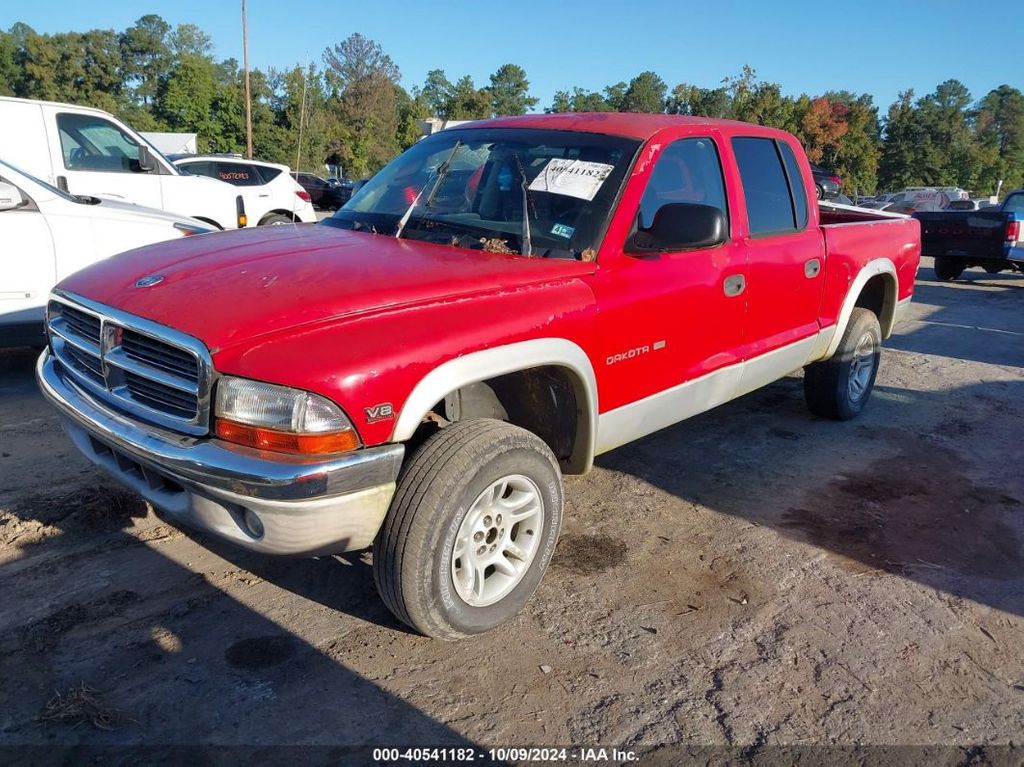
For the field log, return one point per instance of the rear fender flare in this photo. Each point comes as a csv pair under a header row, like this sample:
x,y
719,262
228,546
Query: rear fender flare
x,y
868,271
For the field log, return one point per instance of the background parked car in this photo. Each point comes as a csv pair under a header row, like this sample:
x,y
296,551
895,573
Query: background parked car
x,y
50,233
322,193
271,195
826,182
87,151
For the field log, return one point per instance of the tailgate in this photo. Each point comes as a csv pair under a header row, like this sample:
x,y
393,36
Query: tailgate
x,y
975,234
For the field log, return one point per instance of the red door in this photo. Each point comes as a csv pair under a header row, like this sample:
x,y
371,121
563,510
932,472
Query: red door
x,y
669,317
785,256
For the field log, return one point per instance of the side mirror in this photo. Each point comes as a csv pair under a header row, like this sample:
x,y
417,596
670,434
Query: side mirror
x,y
681,226
10,197
146,162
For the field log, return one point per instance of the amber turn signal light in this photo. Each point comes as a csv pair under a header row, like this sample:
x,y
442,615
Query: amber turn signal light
x,y
286,442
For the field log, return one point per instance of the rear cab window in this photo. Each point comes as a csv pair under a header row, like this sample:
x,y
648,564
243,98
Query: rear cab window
x,y
772,186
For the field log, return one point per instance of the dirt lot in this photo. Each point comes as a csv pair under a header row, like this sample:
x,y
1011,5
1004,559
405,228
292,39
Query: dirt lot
x,y
751,577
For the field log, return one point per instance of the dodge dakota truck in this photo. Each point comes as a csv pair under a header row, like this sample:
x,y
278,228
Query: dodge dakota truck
x,y
496,307
991,238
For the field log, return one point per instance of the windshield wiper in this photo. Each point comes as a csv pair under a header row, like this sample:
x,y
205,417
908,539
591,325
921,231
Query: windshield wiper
x,y
439,174
526,246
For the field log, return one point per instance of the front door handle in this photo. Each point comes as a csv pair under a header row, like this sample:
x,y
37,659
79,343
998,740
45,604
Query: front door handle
x,y
734,285
812,268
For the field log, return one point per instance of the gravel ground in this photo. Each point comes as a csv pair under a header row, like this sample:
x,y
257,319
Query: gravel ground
x,y
751,578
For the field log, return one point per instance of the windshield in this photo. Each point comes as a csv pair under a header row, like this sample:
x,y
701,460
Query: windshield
x,y
466,188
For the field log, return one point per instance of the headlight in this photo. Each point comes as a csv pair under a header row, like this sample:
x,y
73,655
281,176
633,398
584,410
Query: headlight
x,y
187,230
280,418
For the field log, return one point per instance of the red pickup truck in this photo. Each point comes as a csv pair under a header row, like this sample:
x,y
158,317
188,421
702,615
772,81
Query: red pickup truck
x,y
500,304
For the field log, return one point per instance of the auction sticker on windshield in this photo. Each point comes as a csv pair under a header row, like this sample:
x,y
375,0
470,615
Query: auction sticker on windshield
x,y
573,178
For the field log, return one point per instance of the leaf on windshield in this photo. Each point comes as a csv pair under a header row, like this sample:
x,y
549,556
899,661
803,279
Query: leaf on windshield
x,y
496,245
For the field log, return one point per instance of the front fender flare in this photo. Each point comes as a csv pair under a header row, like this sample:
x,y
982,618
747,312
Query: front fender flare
x,y
509,358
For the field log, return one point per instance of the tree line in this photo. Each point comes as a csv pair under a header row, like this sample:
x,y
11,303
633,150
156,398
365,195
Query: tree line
x,y
355,112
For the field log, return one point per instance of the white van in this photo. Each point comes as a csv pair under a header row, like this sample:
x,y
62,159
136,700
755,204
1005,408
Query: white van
x,y
929,198
47,234
88,151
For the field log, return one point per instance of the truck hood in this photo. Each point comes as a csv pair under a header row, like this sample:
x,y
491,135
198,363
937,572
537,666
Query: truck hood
x,y
227,288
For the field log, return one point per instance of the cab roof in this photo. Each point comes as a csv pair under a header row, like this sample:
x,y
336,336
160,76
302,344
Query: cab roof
x,y
628,124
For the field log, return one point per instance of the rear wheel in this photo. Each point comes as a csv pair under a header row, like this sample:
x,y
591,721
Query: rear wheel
x,y
947,269
275,219
839,387
471,529
820,192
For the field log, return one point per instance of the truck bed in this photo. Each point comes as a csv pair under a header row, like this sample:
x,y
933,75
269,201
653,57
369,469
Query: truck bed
x,y
853,238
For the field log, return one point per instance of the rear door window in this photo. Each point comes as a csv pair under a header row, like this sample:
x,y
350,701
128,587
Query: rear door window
x,y
770,208
237,173
796,184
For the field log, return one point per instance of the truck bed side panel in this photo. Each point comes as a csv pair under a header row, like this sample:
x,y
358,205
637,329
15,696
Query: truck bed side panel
x,y
850,247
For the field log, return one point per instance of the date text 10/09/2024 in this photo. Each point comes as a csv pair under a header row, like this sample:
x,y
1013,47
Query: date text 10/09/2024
x,y
513,754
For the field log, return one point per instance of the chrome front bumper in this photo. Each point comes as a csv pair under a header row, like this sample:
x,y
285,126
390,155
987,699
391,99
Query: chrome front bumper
x,y
271,504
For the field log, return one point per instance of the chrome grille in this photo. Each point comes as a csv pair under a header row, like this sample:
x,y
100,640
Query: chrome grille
x,y
86,325
162,355
143,368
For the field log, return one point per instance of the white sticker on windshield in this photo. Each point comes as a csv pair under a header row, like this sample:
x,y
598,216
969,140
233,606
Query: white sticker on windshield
x,y
573,178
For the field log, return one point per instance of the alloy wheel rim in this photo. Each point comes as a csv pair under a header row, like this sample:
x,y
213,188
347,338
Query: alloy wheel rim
x,y
497,541
862,365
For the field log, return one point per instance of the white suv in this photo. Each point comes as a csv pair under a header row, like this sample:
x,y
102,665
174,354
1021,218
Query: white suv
x,y
271,195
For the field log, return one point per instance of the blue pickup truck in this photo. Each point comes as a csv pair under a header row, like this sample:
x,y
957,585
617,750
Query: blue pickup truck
x,y
991,238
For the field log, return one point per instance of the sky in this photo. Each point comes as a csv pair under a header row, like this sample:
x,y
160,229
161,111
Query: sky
x,y
879,48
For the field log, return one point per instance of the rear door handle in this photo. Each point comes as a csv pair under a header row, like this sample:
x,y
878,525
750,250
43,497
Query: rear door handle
x,y
734,285
812,268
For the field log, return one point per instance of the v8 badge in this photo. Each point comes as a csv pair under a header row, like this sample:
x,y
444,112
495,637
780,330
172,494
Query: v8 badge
x,y
381,412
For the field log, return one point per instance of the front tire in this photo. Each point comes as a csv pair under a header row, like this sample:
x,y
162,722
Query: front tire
x,y
947,269
471,529
839,387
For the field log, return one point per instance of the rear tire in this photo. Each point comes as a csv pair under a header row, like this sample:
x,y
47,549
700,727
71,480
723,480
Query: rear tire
x,y
839,387
947,269
820,192
275,219
471,529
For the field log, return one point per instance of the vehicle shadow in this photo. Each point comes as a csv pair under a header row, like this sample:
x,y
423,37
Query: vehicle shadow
x,y
146,646
983,323
916,487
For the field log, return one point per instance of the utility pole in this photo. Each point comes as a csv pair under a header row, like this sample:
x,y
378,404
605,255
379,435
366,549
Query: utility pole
x,y
248,94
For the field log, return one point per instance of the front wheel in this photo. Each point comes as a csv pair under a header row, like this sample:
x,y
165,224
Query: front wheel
x,y
471,529
839,387
947,269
